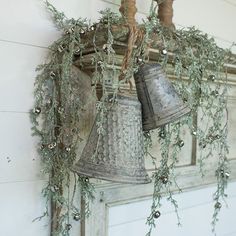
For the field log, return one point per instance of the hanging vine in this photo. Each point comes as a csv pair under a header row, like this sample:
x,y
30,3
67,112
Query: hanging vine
x,y
195,61
56,121
198,66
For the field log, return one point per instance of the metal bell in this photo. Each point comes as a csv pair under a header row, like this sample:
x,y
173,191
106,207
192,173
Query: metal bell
x,y
117,154
160,102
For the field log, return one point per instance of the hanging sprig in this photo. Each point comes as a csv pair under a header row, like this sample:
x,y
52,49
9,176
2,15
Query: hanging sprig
x,y
198,66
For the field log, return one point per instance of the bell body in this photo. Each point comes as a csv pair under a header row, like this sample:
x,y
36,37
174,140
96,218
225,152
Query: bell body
x,y
118,153
160,102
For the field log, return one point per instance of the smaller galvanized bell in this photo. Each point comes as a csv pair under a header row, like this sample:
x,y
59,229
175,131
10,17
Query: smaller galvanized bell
x,y
160,102
116,154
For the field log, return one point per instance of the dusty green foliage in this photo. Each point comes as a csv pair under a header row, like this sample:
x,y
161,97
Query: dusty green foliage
x,y
56,121
196,63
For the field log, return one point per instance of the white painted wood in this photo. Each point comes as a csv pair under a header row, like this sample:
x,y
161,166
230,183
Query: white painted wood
x,y
232,125
21,203
18,64
231,2
85,9
215,17
185,200
26,21
195,208
111,194
39,30
19,158
31,22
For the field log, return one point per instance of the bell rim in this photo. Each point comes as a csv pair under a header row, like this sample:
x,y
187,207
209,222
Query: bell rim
x,y
114,178
156,121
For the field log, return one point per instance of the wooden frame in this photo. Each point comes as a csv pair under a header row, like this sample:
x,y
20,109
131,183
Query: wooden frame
x,y
110,194
189,177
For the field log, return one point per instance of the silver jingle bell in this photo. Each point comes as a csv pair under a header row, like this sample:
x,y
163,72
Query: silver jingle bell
x,y
76,217
156,214
37,110
164,52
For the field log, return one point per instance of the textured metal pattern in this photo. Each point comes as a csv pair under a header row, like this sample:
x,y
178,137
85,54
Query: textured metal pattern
x,y
118,153
160,102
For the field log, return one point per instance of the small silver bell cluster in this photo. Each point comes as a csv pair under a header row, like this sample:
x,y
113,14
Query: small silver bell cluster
x,y
223,174
52,145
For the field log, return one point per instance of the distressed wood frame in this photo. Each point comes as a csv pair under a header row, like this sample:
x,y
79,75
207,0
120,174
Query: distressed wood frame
x,y
110,194
189,177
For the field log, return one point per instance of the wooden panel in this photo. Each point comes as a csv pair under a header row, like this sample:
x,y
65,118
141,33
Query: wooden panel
x,y
232,126
186,200
26,21
212,10
18,75
167,224
85,9
111,194
32,23
130,219
20,204
19,159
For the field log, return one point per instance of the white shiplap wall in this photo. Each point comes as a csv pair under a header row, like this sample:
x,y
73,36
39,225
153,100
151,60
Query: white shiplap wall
x,y
25,32
195,210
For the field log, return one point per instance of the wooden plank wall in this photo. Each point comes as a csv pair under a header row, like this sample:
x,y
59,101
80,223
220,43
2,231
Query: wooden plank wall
x,y
26,31
195,210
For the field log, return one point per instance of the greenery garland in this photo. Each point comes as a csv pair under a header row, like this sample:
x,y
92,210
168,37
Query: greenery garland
x,y
198,66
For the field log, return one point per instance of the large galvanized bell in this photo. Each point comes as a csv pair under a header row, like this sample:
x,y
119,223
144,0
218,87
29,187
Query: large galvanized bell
x,y
117,154
160,102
